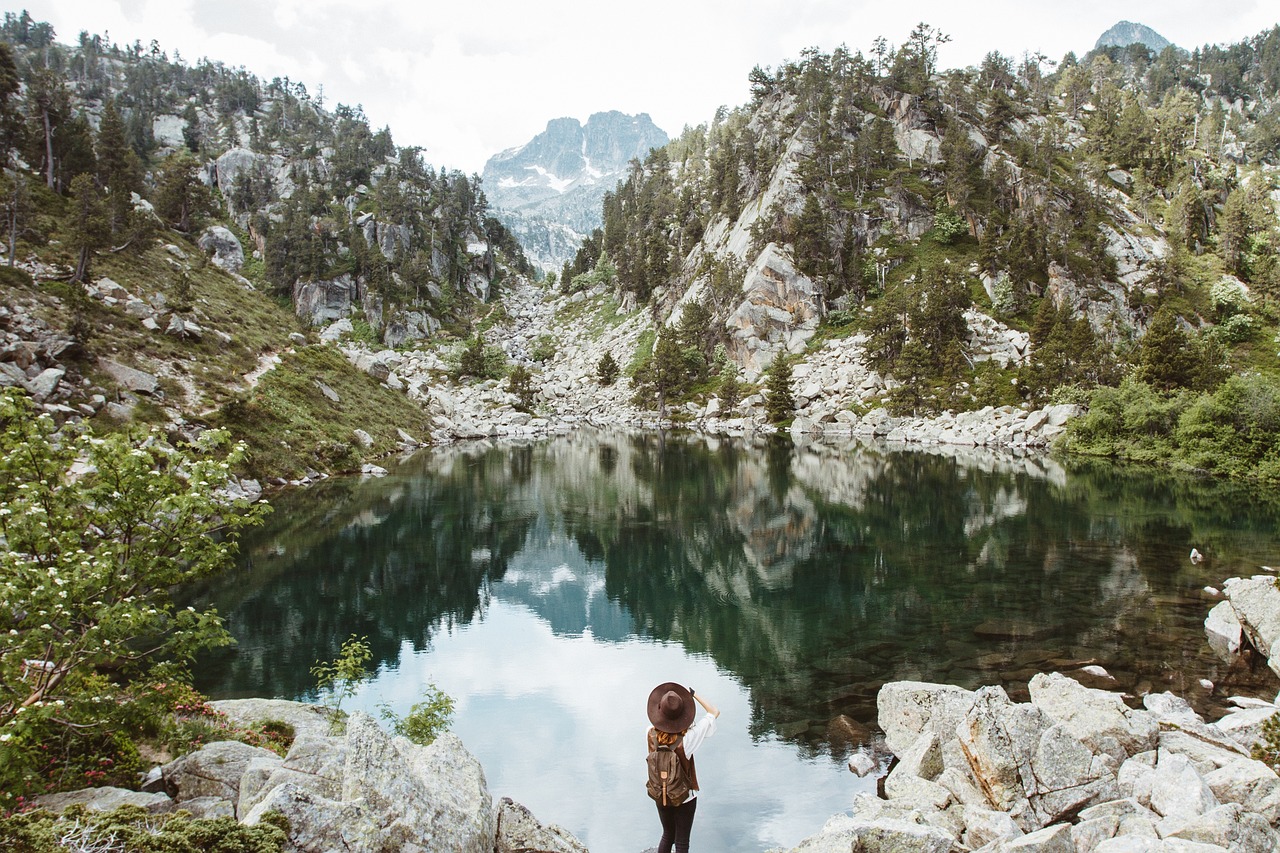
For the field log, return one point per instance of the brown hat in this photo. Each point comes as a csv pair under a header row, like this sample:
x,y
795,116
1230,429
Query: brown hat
x,y
671,708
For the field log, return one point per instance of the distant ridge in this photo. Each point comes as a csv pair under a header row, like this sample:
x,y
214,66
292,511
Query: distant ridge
x,y
1126,33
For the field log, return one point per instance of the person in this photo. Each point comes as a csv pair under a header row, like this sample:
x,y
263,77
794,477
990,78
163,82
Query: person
x,y
671,710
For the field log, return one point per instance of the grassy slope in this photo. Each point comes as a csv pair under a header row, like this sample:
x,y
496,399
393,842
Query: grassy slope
x,y
288,423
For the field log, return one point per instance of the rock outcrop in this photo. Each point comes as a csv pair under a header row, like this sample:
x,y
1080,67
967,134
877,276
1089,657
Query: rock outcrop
x,y
363,790
1075,769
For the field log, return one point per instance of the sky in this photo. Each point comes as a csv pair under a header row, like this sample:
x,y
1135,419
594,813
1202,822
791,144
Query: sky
x,y
469,78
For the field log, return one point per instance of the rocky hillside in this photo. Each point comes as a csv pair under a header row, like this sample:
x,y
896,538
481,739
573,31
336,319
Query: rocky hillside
x,y
548,191
173,232
1000,235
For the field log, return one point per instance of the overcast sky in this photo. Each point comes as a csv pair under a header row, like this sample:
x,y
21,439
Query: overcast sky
x,y
468,78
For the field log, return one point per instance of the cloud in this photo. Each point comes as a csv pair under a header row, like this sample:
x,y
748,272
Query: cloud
x,y
468,80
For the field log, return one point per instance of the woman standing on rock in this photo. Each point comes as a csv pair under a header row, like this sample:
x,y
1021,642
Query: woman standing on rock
x,y
671,710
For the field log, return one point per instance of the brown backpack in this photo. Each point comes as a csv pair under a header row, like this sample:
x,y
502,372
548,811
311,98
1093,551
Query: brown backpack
x,y
668,779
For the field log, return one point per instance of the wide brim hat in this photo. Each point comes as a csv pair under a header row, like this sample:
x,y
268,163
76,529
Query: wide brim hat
x,y
671,708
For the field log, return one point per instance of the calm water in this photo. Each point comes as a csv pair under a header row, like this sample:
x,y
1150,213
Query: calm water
x,y
547,587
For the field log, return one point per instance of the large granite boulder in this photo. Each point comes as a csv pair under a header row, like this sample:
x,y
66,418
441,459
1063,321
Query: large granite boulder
x,y
907,709
305,719
435,792
318,824
224,246
1101,720
883,835
1034,769
105,800
129,378
314,764
322,302
214,771
1256,602
1224,630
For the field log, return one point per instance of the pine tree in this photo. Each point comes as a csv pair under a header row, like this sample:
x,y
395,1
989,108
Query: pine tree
x,y
779,402
730,391
117,168
181,196
520,384
607,369
87,225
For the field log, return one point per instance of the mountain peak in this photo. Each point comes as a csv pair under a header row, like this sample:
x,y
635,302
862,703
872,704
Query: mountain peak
x,y
1126,33
561,175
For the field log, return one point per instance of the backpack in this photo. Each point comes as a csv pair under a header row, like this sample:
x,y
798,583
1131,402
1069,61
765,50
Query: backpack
x,y
668,781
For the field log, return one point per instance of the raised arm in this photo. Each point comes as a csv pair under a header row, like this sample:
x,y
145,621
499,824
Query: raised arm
x,y
706,706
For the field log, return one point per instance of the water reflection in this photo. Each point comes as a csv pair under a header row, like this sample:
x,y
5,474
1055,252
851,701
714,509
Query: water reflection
x,y
801,577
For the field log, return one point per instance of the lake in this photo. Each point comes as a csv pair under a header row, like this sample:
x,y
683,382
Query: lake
x,y
548,586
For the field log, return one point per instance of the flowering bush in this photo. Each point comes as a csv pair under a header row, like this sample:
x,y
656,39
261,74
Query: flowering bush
x,y
96,532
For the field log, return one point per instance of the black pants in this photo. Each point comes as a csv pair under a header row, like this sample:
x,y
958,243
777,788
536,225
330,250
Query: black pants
x,y
677,822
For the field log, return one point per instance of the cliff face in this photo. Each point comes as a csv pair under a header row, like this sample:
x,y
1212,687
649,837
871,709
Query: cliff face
x,y
548,191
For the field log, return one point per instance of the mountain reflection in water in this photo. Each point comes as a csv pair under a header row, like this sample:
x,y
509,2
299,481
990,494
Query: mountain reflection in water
x,y
795,579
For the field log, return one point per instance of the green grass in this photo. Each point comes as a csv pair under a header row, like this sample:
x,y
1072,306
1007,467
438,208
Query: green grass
x,y
255,322
290,425
596,314
643,352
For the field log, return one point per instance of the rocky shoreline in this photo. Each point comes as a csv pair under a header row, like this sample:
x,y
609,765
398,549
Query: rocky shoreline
x,y
1073,770
1076,769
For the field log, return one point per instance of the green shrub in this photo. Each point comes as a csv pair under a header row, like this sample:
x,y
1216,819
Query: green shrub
x,y
1268,752
341,678
544,348
131,829
426,719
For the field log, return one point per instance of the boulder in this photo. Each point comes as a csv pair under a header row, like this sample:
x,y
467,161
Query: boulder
x,y
1028,765
335,331
1224,630
1051,839
1124,817
322,302
105,800
213,771
45,383
906,709
314,764
1101,720
520,832
436,792
1229,827
306,719
129,378
210,807
1244,725
224,246
1256,602
1177,789
1249,783
318,824
842,833
983,826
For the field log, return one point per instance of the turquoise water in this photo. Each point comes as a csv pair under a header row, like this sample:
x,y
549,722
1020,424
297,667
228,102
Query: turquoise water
x,y
548,586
